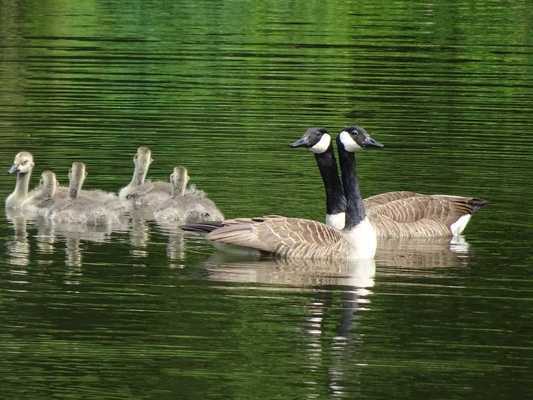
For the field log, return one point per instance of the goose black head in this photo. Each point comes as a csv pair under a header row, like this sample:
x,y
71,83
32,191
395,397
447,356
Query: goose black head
x,y
22,164
317,140
356,138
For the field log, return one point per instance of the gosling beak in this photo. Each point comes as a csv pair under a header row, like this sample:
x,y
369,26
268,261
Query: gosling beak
x,y
304,141
371,142
13,169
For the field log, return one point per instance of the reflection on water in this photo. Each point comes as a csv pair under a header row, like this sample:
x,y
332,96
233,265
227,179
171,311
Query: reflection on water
x,y
423,253
354,280
297,273
222,88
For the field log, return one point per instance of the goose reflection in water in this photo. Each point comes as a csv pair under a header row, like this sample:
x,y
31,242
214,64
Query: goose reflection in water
x,y
347,282
341,291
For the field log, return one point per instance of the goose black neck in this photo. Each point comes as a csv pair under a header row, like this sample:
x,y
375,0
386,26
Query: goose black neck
x,y
335,200
355,209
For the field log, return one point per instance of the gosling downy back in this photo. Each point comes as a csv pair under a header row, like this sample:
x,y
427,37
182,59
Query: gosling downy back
x,y
187,205
80,209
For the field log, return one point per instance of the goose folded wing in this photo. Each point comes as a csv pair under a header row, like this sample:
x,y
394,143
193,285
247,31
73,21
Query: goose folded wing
x,y
276,235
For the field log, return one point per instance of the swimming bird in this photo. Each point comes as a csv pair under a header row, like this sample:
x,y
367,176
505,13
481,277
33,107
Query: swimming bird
x,y
78,208
23,165
143,193
300,238
393,214
186,205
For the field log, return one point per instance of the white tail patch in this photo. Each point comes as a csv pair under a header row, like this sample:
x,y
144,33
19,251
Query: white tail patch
x,y
348,142
322,145
337,221
459,226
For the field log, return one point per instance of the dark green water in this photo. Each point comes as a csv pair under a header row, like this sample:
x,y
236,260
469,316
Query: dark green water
x,y
223,87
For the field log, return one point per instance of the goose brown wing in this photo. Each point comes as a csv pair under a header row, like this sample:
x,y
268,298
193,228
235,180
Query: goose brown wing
x,y
278,235
420,216
383,198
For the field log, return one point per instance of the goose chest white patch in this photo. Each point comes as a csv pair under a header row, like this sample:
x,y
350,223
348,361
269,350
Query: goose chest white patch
x,y
322,145
336,220
348,142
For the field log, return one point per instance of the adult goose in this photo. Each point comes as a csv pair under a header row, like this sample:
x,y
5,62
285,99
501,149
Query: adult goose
x,y
301,238
401,214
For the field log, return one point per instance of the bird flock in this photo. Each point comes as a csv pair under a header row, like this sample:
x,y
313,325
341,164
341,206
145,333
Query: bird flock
x,y
170,202
354,226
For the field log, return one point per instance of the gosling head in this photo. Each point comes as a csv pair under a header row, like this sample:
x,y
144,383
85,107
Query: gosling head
x,y
143,156
316,140
76,176
355,138
22,164
179,180
142,161
48,183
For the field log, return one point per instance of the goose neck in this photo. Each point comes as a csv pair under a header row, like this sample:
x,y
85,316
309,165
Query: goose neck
x,y
22,184
139,176
355,209
327,165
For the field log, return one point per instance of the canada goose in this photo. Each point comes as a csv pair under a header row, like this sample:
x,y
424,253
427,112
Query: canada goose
x,y
23,166
393,214
413,215
186,205
301,238
141,192
318,141
78,208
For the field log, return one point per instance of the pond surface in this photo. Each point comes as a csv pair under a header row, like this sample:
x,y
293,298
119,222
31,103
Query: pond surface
x,y
222,88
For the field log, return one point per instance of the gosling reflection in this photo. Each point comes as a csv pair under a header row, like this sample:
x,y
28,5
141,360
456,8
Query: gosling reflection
x,y
73,260
46,238
175,244
18,249
139,236
73,256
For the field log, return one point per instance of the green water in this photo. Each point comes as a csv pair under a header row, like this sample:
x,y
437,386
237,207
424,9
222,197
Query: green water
x,y
222,88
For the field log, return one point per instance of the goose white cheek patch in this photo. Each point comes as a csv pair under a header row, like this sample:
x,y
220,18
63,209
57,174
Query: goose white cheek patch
x,y
322,145
348,142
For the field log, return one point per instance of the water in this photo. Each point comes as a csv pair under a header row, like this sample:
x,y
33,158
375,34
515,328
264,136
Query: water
x,y
223,88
